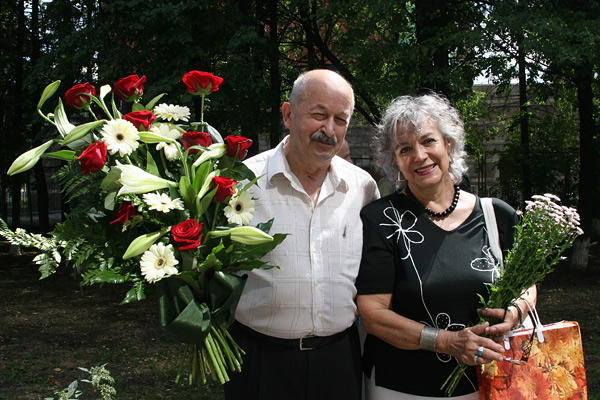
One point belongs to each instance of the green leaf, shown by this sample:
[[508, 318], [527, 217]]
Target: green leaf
[[111, 182], [212, 260], [214, 133], [152, 102], [137, 107], [66, 155], [151, 166], [47, 93], [200, 176], [203, 204], [188, 192], [106, 277], [136, 293], [80, 131], [116, 111], [110, 201]]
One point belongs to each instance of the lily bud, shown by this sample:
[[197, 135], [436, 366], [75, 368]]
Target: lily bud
[[28, 159], [214, 151], [249, 235], [137, 181], [142, 243]]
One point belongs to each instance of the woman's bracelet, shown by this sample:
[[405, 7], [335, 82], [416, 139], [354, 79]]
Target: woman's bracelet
[[428, 338], [514, 303]]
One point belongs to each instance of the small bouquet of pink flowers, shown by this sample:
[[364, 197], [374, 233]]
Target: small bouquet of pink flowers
[[158, 202], [546, 230]]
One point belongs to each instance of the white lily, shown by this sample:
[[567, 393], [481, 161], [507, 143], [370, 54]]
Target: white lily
[[137, 181]]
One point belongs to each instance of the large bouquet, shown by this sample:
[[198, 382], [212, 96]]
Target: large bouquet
[[546, 230], [156, 201]]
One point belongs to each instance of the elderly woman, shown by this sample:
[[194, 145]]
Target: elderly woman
[[426, 259]]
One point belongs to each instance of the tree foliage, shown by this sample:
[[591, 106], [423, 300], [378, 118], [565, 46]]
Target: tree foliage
[[383, 48]]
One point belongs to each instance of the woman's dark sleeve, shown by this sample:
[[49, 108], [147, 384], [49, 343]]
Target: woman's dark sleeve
[[377, 267]]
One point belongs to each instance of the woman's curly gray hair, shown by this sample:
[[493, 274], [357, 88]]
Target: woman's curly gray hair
[[410, 112]]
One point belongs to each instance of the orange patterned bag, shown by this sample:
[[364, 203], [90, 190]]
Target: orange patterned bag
[[553, 369]]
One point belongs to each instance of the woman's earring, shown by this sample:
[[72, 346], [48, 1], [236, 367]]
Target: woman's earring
[[450, 158], [401, 177]]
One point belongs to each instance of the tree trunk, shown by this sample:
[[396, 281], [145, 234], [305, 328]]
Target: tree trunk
[[432, 16], [41, 186], [274, 76], [40, 176], [18, 106], [587, 174], [524, 125]]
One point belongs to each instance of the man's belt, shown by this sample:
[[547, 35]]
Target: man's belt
[[305, 343]]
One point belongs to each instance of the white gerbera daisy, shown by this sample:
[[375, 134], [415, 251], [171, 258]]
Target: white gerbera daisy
[[240, 209], [170, 149], [120, 136], [158, 262], [162, 202], [170, 112]]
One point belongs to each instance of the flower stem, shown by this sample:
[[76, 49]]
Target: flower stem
[[217, 368], [185, 351]]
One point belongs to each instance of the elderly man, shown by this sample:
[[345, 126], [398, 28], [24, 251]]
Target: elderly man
[[297, 323]]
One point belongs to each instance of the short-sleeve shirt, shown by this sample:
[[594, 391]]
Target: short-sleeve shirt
[[434, 276], [313, 291]]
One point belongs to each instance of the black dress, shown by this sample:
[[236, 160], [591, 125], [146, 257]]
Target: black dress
[[435, 277]]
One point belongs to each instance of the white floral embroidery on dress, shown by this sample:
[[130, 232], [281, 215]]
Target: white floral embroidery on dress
[[405, 233], [488, 264]]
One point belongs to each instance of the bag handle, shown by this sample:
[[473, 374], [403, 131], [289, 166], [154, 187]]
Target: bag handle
[[492, 229], [537, 323]]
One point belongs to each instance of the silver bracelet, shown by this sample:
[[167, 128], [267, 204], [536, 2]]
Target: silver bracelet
[[428, 338]]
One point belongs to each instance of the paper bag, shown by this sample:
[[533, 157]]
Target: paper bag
[[550, 370]]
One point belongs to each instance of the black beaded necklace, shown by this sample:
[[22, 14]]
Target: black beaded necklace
[[429, 211]]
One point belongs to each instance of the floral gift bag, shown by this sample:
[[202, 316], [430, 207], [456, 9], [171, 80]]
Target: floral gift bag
[[547, 366]]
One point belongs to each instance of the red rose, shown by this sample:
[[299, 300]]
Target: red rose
[[224, 187], [125, 213], [201, 83], [130, 88], [76, 96], [237, 145], [190, 139], [140, 118], [93, 158], [188, 234]]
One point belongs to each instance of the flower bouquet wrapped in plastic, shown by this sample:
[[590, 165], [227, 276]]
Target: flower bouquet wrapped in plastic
[[158, 202]]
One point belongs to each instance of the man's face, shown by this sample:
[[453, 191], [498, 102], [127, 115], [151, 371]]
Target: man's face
[[319, 121]]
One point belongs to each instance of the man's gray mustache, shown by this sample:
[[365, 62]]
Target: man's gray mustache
[[323, 138]]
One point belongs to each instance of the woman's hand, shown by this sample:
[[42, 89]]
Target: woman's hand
[[469, 347], [508, 319]]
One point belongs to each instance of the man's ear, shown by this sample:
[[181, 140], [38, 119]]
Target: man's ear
[[286, 111]]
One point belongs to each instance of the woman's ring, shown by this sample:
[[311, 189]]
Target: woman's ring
[[479, 351], [475, 359]]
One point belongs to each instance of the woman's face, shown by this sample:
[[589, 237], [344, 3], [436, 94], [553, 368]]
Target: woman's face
[[422, 155]]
